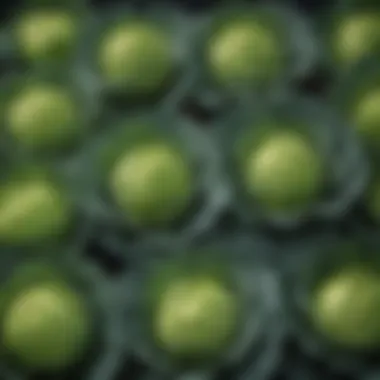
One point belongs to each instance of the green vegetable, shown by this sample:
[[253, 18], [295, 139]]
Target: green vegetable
[[245, 51], [356, 36], [46, 327], [366, 117], [195, 317], [152, 183], [345, 308], [32, 211], [43, 35], [136, 57], [283, 172], [43, 116]]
